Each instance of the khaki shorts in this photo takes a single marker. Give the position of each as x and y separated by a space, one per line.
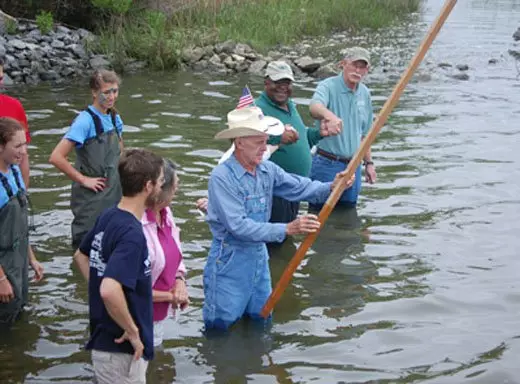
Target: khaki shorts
120 368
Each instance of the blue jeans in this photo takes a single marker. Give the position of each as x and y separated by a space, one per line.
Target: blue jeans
237 282
324 169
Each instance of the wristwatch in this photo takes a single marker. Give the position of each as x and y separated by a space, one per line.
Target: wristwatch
365 163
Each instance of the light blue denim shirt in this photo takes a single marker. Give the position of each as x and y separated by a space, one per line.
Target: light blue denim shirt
235 195
353 107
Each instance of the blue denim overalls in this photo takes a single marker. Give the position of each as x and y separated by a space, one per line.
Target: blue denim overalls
237 280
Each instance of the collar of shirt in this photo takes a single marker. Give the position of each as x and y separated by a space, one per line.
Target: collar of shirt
239 170
290 103
149 218
344 88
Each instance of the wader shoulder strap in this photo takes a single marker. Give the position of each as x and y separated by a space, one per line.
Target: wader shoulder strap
97 122
99 125
113 115
17 178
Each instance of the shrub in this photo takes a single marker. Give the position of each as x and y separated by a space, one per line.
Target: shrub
45 22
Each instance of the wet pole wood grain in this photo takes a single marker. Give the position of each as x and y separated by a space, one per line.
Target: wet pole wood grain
358 157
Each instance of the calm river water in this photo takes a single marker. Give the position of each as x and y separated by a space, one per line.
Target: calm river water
419 285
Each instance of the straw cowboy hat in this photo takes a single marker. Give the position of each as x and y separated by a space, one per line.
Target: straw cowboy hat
250 121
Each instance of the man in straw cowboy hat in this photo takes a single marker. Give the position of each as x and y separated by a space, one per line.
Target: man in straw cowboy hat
237 279
344 101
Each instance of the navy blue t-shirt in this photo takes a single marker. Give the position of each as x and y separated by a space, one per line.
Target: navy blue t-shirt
117 249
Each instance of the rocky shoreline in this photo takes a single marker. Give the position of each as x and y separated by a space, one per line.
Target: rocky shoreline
59 55
63 54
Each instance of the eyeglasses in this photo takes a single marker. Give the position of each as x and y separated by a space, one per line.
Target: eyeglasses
359 64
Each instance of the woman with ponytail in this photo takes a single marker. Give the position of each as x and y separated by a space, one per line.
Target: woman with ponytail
96 136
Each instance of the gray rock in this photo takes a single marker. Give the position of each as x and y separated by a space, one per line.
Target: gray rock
135 66
191 56
229 62
49 75
462 67
32 79
78 50
238 58
214 59
99 62
325 71
257 67
243 66
516 35
460 76
200 65
63 29
275 55
209 51
223 56
67 72
3 52
227 47
20 55
46 39
83 33
61 54
308 64
31 46
24 63
18 44
34 34
58 44
11 62
445 65
492 61
36 67
242 49
219 67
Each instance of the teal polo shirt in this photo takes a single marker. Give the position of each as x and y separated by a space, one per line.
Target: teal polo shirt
353 107
296 157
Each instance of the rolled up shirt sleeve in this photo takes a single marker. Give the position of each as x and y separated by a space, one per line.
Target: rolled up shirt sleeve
226 207
297 188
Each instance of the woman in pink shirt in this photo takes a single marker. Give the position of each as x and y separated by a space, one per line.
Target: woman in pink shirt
164 247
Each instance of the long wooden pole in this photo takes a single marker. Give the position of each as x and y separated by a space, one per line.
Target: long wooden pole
358 157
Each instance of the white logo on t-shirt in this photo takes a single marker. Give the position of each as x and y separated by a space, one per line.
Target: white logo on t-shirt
95 258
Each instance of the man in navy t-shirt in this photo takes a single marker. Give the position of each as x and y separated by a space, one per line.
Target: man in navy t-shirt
113 257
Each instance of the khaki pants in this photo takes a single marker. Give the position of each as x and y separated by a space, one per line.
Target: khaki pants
120 368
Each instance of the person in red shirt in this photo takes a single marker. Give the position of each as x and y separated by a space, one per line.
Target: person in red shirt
11 107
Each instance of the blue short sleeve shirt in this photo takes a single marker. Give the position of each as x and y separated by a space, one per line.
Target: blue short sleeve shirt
83 128
354 107
4 198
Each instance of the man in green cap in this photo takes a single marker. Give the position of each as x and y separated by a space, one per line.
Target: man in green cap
294 153
344 101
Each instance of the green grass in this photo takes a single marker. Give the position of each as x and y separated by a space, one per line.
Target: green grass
265 23
152 37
